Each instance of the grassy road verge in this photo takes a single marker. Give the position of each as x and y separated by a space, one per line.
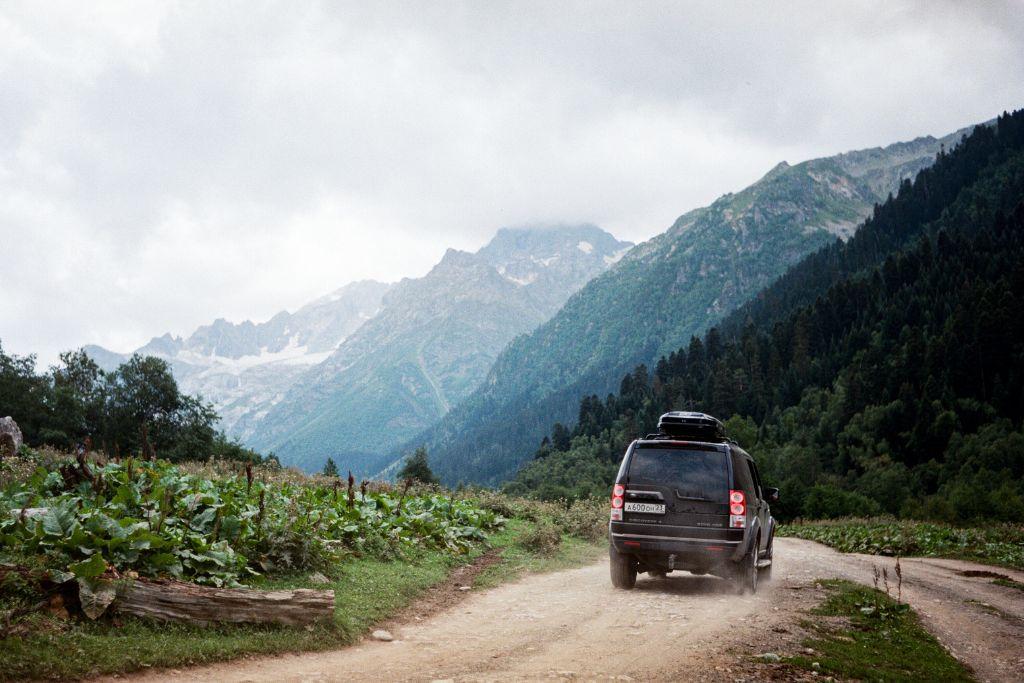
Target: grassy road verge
367 592
520 554
862 634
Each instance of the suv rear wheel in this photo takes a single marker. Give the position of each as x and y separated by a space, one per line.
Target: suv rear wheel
747 571
623 569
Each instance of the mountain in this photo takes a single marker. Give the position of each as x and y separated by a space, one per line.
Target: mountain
245 368
658 295
883 374
430 346
107 360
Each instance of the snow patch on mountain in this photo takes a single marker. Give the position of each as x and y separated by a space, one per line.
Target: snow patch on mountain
245 368
523 281
617 256
292 354
585 247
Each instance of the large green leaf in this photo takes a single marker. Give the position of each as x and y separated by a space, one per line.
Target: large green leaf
89 569
166 562
95 596
102 525
59 521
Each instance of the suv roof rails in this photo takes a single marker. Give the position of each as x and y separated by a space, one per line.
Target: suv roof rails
660 436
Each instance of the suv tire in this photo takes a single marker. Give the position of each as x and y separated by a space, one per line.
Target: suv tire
747 571
623 569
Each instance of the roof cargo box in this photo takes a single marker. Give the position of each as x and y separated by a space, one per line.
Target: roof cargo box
692 426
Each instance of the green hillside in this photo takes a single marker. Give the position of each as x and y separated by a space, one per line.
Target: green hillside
880 375
661 293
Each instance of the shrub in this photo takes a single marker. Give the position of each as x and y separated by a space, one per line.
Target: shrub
543 538
586 519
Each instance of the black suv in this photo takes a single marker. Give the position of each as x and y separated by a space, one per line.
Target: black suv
690 498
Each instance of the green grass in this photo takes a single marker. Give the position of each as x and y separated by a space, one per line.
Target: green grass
367 591
1009 583
517 558
997 544
874 639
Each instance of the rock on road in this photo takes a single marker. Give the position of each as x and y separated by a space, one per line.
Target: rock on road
573 624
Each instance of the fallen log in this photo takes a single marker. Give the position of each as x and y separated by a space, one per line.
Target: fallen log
178 601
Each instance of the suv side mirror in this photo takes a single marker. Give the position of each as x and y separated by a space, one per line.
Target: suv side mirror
771 495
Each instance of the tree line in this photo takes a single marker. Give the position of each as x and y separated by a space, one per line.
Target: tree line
136 409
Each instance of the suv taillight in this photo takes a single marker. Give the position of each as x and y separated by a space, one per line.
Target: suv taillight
737 509
617 492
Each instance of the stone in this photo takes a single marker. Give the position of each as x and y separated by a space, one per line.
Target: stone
382 635
770 657
10 436
317 577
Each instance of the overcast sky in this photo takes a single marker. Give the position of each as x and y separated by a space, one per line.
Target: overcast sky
162 165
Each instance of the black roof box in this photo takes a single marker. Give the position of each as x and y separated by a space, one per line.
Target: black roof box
692 426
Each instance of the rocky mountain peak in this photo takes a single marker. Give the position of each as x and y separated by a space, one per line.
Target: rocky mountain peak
550 257
455 259
432 344
245 367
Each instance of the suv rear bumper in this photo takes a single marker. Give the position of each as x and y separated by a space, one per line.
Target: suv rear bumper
699 545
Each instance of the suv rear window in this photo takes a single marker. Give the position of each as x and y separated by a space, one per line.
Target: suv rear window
692 473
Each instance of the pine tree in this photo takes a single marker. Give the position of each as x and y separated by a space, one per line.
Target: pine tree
330 468
417 468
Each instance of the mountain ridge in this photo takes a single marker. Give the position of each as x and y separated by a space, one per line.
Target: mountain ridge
660 293
430 345
243 368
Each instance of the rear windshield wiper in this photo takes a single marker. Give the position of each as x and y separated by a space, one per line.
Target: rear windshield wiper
697 498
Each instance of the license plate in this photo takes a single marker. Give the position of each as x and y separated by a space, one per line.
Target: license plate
646 508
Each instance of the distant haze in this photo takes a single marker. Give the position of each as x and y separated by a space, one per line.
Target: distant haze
166 164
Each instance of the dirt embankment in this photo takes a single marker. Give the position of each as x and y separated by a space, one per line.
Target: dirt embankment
574 625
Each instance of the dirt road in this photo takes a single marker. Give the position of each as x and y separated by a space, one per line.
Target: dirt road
572 624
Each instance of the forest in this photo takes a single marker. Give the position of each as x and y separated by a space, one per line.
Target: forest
879 375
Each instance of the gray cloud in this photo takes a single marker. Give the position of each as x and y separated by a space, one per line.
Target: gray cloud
164 164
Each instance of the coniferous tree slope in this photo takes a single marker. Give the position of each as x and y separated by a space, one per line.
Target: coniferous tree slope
661 293
882 375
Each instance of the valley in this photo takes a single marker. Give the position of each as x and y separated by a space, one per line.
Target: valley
890 342
522 329
502 341
663 292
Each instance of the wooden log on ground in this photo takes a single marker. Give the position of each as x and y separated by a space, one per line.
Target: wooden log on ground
187 602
